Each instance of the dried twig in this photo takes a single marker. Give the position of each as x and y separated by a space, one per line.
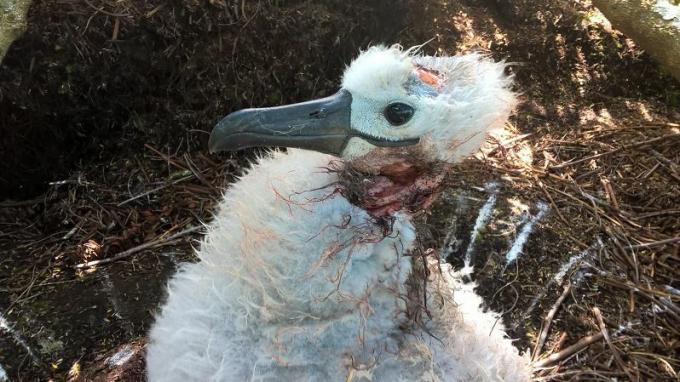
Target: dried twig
626 147
197 173
143 194
552 201
508 143
21 203
101 9
655 243
139 248
165 157
614 349
673 168
548 321
568 351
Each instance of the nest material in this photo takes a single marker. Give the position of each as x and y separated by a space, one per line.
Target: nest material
617 183
614 190
568 64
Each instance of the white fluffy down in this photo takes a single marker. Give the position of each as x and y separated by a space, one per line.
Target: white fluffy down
295 283
453 120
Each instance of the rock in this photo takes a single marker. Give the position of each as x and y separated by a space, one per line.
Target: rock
12 22
653 31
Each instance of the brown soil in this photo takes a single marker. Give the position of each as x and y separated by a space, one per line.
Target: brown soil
110 101
84 86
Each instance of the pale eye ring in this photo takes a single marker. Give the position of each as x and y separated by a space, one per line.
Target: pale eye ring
398 113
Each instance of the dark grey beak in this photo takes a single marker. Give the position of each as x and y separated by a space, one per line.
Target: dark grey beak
322 125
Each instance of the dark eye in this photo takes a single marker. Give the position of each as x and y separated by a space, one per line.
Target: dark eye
398 113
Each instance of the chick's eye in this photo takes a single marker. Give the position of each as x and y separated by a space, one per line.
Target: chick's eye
398 113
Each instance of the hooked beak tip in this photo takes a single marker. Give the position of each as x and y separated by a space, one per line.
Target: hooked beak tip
213 145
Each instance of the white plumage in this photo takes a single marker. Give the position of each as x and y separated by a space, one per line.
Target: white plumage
298 281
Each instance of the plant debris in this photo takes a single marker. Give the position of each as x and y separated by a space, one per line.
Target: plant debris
103 111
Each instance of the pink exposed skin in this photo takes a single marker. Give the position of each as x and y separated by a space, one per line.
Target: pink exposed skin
398 184
384 197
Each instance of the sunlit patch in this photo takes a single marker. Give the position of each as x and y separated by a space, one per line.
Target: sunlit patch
605 117
641 108
517 206
512 146
581 76
477 36
74 372
589 116
586 114
595 18
560 43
